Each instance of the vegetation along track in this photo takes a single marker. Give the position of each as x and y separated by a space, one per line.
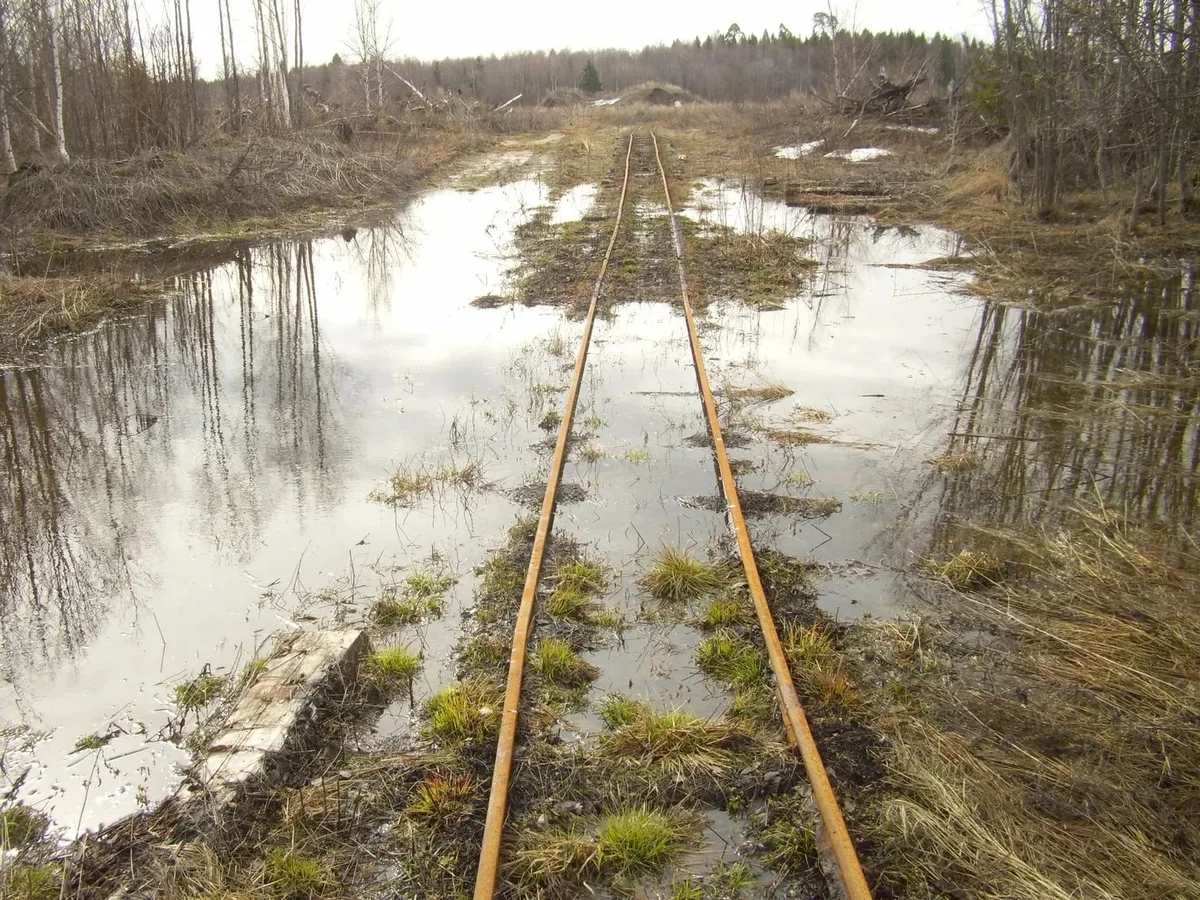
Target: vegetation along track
836 841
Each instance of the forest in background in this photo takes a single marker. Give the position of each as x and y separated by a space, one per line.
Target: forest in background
1095 94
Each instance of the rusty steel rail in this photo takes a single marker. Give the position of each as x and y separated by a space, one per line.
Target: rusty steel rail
493 829
850 873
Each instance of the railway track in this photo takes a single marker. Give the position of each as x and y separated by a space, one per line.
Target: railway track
849 880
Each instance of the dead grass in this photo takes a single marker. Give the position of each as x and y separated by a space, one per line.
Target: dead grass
220 185
1064 757
33 307
965 569
766 393
797 437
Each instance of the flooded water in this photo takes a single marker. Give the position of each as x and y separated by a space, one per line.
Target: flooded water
180 485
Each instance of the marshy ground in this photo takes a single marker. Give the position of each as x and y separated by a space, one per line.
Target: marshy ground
970 452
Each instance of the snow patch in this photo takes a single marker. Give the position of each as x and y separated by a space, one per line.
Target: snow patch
861 154
799 150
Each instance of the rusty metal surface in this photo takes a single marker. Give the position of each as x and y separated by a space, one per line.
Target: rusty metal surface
493 831
850 874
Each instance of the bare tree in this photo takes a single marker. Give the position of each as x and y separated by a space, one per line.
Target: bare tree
370 42
8 160
56 81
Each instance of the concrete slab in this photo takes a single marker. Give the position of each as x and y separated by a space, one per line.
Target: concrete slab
279 716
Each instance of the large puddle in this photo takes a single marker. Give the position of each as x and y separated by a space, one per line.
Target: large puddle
178 486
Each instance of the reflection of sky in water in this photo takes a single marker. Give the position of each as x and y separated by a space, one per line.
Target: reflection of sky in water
228 443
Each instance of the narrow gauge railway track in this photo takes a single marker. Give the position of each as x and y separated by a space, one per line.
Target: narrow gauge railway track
850 877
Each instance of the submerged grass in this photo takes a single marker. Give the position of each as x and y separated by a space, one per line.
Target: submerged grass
200 691
677 575
965 569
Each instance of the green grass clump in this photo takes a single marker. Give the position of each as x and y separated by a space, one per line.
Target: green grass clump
393 666
619 710
556 661
425 585
722 612
422 596
291 874
90 742
754 705
676 576
443 799
461 713
568 602
637 841
502 577
198 692
808 645
727 657
818 666
21 826
581 574
22 881
609 618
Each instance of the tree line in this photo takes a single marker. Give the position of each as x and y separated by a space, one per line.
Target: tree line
1094 93
1098 94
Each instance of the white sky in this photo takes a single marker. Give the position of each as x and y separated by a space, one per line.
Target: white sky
485 27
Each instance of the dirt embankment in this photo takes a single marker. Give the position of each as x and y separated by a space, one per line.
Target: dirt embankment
227 190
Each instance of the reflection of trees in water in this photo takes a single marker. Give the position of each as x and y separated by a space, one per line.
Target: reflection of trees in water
220 400
1086 405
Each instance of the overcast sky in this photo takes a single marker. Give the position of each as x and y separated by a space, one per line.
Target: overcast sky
481 28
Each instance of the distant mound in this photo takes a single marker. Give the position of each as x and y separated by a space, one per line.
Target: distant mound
659 95
563 97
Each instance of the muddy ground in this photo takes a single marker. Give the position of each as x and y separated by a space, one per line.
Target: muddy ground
1016 716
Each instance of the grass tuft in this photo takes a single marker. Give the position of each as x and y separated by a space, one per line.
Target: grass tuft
393 667
443 799
581 574
290 874
678 741
727 657
722 612
200 691
21 826
22 881
403 488
568 602
557 662
619 710
677 576
637 841
950 463
461 713
767 393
